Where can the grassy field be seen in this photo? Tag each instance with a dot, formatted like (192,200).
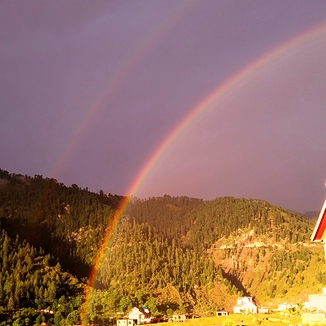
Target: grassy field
(245,320)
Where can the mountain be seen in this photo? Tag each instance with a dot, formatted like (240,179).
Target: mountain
(261,249)
(172,254)
(311,214)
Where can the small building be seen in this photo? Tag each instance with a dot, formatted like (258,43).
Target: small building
(286,306)
(140,315)
(125,322)
(176,318)
(245,306)
(221,313)
(263,310)
(317,301)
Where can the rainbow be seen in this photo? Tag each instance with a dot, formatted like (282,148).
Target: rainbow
(119,76)
(214,95)
(244,75)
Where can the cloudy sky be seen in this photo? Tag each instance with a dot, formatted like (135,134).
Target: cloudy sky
(181,97)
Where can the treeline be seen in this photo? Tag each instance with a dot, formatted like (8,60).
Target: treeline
(198,224)
(171,216)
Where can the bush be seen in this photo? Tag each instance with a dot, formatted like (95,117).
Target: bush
(228,322)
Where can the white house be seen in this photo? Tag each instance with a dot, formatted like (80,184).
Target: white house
(245,305)
(317,301)
(263,310)
(141,315)
(285,306)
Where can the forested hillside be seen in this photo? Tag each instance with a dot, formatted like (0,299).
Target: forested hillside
(263,250)
(33,286)
(173,254)
(200,224)
(67,222)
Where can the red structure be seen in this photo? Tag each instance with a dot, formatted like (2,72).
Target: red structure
(319,234)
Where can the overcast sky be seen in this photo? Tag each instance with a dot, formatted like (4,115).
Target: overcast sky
(90,90)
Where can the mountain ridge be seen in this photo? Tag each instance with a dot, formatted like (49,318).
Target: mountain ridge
(173,254)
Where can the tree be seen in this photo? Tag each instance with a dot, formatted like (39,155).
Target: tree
(38,320)
(17,322)
(139,297)
(11,303)
(57,318)
(58,267)
(124,304)
(72,318)
(151,304)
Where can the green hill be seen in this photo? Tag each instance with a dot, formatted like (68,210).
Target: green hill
(172,254)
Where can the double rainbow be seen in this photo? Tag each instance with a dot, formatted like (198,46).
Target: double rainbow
(230,84)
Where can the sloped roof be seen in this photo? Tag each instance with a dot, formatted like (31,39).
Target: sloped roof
(141,310)
(244,299)
(319,234)
(245,305)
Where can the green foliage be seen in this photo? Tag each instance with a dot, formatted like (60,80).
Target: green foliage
(31,285)
(170,216)
(67,222)
(172,254)
(139,259)
(321,277)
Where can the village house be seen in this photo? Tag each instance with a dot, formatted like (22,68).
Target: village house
(221,313)
(179,318)
(140,315)
(245,306)
(317,302)
(286,306)
(263,310)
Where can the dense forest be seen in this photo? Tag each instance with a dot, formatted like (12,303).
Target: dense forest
(172,254)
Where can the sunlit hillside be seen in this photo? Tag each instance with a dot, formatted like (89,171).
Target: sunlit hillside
(172,254)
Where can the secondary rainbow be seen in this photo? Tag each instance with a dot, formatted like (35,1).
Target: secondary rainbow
(137,55)
(205,103)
